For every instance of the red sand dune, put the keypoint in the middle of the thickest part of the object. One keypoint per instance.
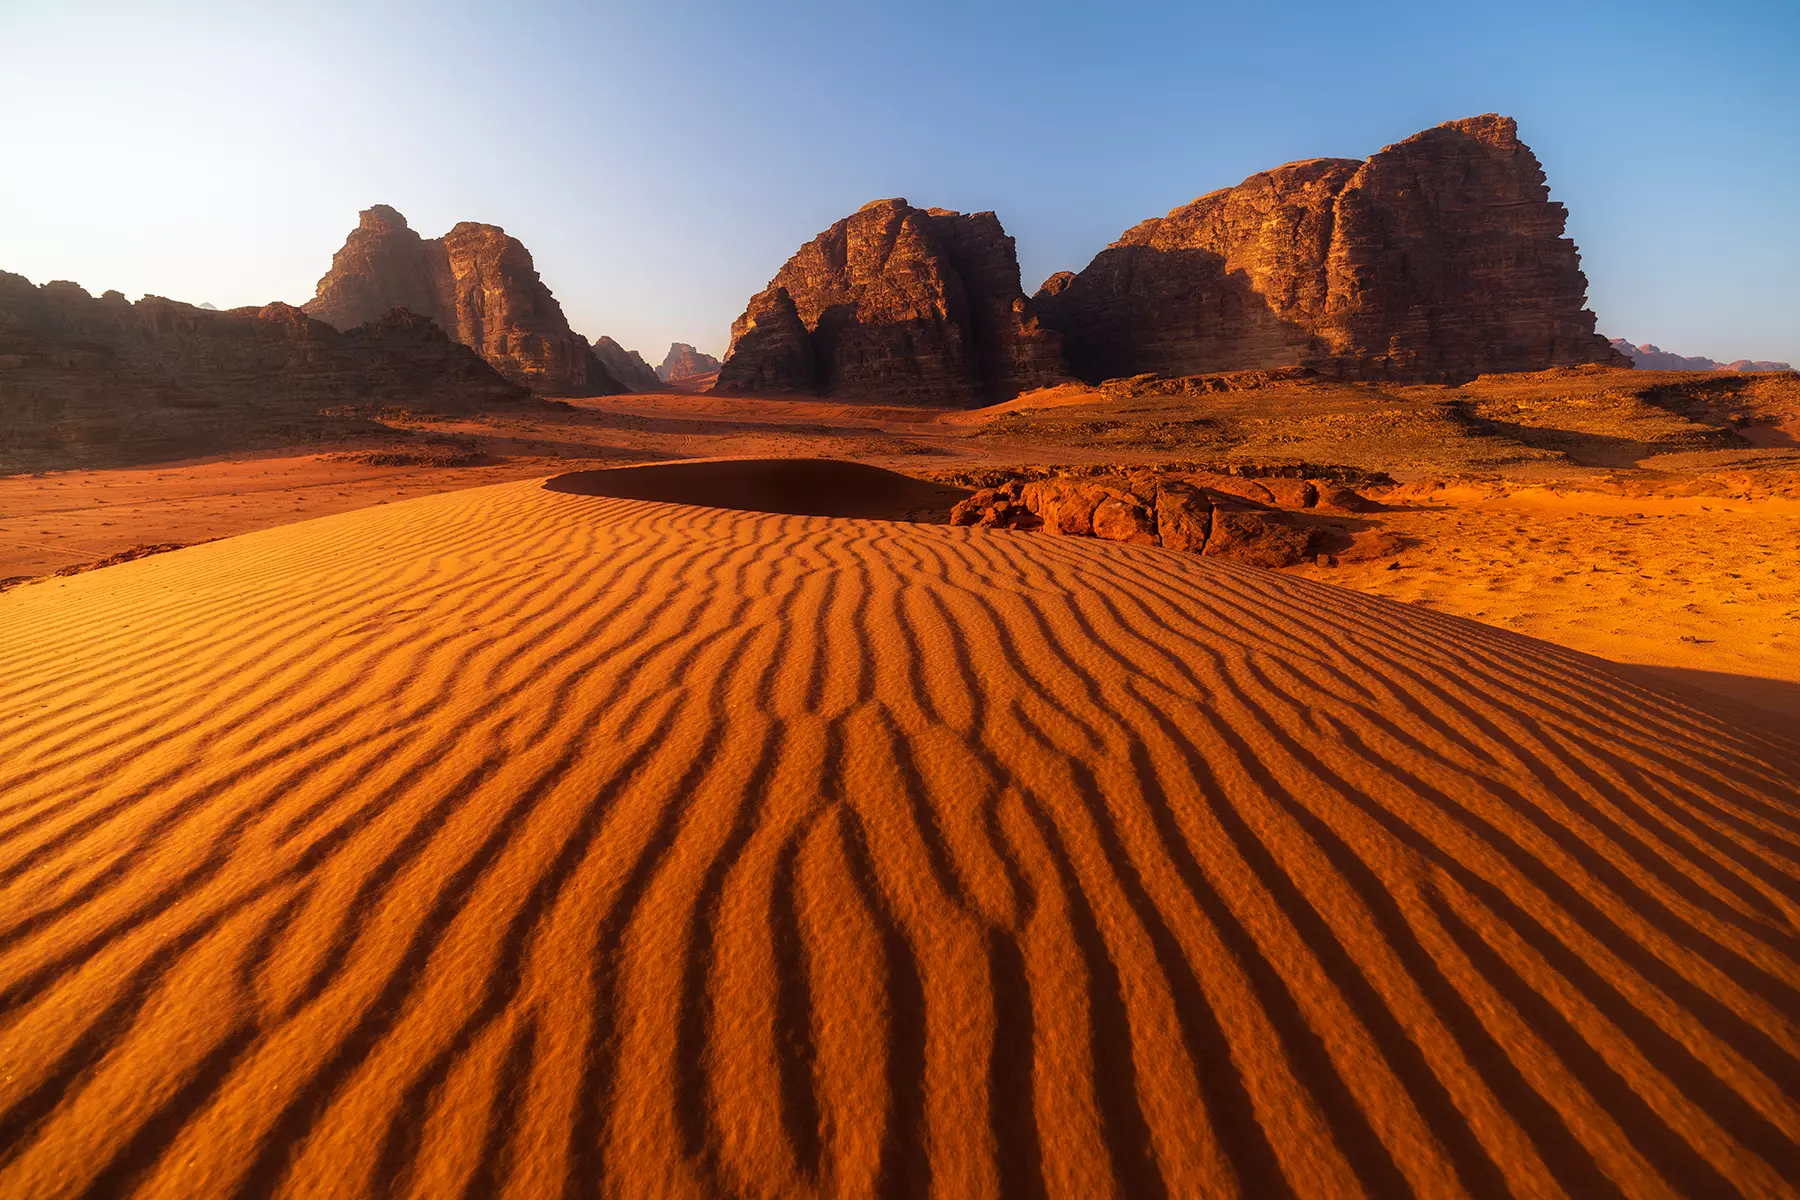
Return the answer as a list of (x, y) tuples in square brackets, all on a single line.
[(516, 841)]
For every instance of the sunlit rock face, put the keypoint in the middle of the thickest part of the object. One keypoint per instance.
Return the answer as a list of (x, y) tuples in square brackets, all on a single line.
[(1441, 257), (684, 362), (898, 304), (478, 284)]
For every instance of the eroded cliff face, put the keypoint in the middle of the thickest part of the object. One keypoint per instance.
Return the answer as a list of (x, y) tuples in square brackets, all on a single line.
[(88, 380), (478, 284), (1441, 257), (898, 304), (626, 366), (684, 362)]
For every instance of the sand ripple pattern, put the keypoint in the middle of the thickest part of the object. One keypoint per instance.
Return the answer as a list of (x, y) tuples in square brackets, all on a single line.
[(523, 844)]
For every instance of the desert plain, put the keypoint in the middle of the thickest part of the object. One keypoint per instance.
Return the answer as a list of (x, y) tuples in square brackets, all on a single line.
[(1288, 710)]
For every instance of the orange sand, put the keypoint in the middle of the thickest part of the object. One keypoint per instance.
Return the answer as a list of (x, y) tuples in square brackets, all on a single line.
[(516, 841)]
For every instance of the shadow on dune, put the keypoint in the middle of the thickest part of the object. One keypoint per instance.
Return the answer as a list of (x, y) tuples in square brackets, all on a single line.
[(801, 487), (1766, 698)]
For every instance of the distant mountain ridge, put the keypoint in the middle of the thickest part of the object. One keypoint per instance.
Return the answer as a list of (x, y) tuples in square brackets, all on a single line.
[(1654, 358)]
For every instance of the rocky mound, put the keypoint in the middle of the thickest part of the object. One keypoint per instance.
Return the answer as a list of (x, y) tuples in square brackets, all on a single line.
[(1654, 358), (899, 304), (94, 381), (626, 366), (683, 362), (1271, 522), (1441, 257), (478, 284)]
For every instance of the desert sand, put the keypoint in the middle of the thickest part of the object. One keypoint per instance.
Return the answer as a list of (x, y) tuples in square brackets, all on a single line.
[(529, 840)]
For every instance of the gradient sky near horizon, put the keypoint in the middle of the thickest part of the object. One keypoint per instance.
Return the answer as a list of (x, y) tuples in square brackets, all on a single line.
[(662, 160)]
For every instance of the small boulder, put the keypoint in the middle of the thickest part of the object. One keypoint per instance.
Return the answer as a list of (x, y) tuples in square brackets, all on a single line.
[(1183, 516), (1119, 520), (1259, 537)]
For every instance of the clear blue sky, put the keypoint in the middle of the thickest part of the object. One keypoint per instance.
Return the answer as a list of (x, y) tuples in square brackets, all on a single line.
[(662, 160)]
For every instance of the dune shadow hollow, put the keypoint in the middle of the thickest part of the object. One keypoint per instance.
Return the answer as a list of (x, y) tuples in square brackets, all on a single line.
[(802, 487)]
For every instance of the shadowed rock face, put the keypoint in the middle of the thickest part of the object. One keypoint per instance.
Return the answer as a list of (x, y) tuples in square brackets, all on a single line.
[(684, 362), (898, 304), (1441, 257), (475, 282), (626, 366), (86, 380)]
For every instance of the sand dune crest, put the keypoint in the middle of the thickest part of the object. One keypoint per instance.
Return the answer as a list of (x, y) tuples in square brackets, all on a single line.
[(531, 842)]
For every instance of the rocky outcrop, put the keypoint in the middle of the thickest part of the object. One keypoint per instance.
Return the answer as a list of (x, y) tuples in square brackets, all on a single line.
[(626, 366), (1654, 358), (475, 282), (896, 304), (1441, 257), (95, 381), (771, 348), (1264, 523), (683, 363)]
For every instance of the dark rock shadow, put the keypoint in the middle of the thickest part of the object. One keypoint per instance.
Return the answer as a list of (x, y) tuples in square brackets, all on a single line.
[(1137, 309), (802, 487)]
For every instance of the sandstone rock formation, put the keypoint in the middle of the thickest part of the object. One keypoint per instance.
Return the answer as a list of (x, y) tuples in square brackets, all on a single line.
[(771, 348), (626, 366), (1654, 358), (1441, 257), (95, 381), (683, 362), (1260, 522), (475, 282), (898, 304)]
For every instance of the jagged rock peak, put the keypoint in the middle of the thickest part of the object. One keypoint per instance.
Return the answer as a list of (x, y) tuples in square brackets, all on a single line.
[(476, 282), (684, 362), (898, 304), (626, 366), (1440, 257)]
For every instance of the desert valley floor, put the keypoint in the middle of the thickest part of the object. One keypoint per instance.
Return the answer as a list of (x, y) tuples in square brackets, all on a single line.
[(474, 820)]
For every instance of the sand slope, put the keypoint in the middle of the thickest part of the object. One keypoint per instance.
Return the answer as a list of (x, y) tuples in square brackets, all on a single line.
[(513, 841)]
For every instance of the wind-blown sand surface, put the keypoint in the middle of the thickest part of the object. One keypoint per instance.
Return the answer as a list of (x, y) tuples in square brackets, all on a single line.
[(521, 841)]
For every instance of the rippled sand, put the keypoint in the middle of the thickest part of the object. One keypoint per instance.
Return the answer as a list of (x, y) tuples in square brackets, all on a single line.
[(523, 841)]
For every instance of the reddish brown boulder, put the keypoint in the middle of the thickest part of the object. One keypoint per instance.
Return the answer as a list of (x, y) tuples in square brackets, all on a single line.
[(1257, 536), (1120, 520), (1183, 516), (996, 507), (475, 282), (901, 305), (1241, 519), (1441, 257)]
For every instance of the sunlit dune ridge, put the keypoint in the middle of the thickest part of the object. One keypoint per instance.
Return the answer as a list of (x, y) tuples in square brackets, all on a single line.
[(514, 841)]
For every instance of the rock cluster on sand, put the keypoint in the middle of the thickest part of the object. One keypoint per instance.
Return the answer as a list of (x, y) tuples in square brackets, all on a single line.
[(1441, 257), (1252, 521), (683, 362), (626, 366), (105, 380), (900, 304), (1654, 358), (478, 284)]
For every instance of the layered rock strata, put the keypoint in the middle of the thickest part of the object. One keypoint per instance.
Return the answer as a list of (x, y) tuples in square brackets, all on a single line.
[(1441, 257), (90, 380), (896, 304), (475, 282)]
